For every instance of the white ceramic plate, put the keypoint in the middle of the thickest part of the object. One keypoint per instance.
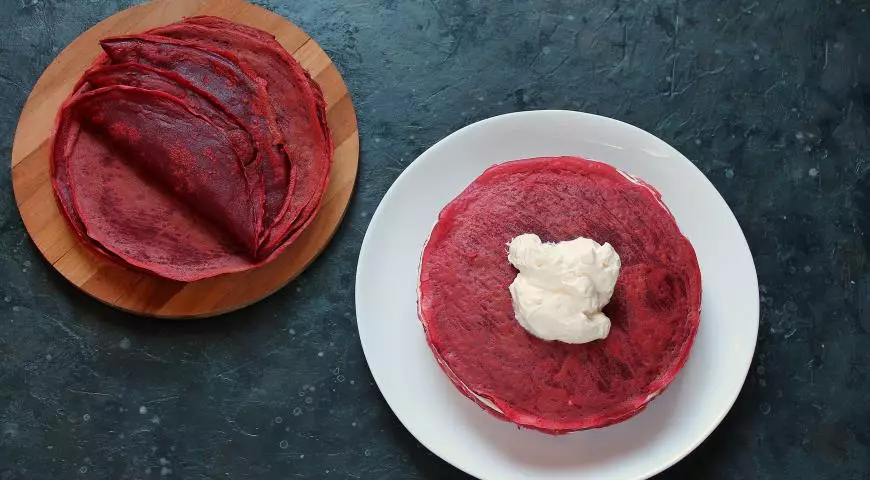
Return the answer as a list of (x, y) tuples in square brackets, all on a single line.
[(456, 429)]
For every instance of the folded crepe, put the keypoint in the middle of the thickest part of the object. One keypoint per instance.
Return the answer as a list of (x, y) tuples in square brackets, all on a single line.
[(193, 150)]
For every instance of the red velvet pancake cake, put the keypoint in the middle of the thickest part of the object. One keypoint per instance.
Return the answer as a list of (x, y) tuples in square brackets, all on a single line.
[(467, 311)]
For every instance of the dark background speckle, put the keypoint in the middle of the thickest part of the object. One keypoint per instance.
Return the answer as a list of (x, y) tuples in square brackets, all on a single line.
[(770, 99)]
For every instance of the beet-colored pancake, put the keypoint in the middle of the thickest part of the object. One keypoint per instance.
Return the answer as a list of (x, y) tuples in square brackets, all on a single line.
[(297, 101), (222, 23), (143, 76), (61, 146), (155, 183), (241, 139), (193, 150), (221, 74), (556, 387)]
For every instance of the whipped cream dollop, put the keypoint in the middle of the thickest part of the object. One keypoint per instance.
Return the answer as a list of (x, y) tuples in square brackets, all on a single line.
[(561, 287)]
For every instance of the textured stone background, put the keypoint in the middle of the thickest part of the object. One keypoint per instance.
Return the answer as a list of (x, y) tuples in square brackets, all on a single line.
[(770, 99)]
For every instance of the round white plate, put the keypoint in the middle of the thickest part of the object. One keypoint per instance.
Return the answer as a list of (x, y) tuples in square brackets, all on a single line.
[(456, 429)]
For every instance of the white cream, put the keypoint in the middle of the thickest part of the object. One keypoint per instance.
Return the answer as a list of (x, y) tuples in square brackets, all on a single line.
[(561, 287)]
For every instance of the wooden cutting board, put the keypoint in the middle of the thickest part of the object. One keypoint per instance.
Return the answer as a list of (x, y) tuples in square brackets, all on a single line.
[(139, 292)]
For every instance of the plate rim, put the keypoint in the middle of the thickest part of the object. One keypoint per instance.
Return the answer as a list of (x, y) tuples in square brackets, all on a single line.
[(366, 247)]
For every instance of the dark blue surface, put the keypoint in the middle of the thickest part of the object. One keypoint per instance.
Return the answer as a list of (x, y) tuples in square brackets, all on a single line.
[(770, 99)]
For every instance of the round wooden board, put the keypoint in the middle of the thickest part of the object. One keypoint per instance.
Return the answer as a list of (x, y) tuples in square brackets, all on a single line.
[(139, 292)]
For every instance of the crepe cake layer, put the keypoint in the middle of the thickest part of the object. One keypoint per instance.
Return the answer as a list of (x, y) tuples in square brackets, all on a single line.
[(555, 387), (267, 137)]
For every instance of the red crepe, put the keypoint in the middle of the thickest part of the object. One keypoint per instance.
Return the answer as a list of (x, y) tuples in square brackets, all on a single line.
[(467, 312), (241, 139), (230, 81), (214, 119), (296, 100), (60, 176), (142, 76), (148, 194)]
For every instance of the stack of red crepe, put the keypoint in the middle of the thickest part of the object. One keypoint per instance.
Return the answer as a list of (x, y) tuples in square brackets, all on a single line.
[(192, 150)]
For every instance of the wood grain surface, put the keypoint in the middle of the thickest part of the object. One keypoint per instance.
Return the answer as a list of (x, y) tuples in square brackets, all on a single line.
[(139, 292)]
